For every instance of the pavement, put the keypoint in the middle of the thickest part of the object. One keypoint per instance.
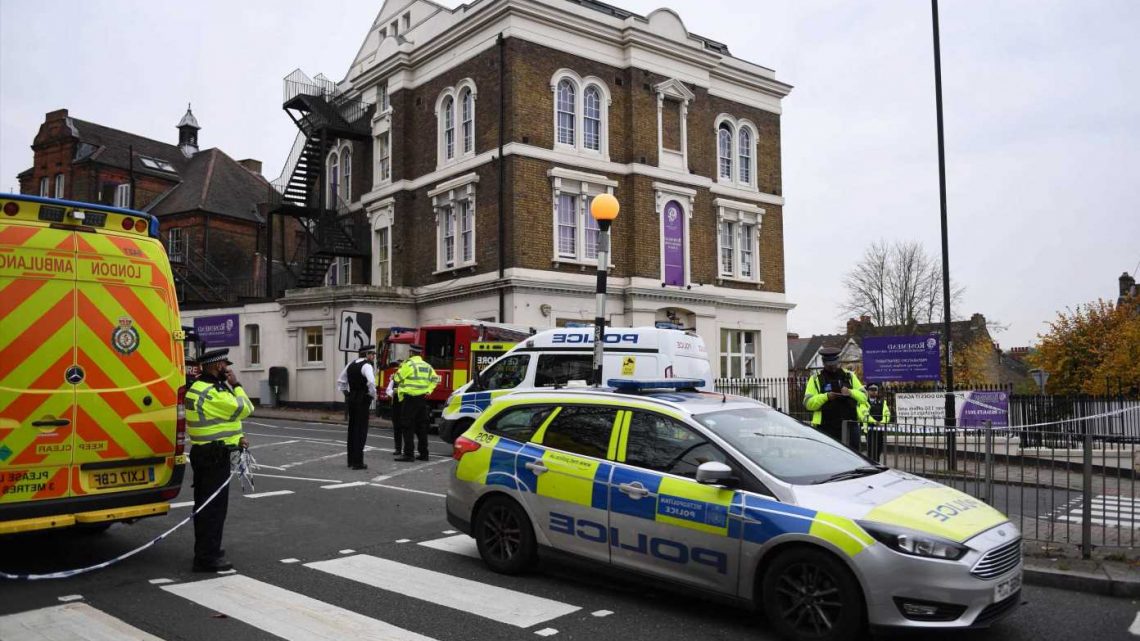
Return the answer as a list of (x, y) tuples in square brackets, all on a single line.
[(1117, 577), (326, 552)]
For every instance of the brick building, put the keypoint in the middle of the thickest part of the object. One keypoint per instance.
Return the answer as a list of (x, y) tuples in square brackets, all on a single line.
[(207, 203), (469, 144)]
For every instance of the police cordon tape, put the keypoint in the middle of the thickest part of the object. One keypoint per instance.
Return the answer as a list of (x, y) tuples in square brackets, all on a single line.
[(242, 465)]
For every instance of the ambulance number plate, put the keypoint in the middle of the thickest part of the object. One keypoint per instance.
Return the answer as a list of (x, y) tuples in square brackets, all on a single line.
[(126, 477), (1007, 587)]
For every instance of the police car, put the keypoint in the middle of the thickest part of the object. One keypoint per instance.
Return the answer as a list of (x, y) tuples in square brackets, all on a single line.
[(728, 495)]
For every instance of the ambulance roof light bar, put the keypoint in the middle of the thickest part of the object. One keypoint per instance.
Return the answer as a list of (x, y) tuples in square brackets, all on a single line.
[(645, 384)]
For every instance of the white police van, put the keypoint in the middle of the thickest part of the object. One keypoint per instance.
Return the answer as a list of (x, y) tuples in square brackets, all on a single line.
[(556, 357)]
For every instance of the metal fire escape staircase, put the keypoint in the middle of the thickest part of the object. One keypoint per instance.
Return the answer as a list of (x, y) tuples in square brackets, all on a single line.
[(328, 228)]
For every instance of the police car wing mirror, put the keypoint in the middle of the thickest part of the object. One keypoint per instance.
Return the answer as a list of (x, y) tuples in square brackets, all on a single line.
[(716, 473)]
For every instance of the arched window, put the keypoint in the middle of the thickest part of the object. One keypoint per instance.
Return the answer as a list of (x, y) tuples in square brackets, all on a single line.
[(566, 109), (467, 101), (346, 172), (724, 151), (592, 118), (449, 128), (745, 153), (334, 180)]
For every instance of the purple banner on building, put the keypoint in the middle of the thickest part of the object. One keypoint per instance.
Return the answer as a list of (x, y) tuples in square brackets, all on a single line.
[(218, 331), (674, 241), (901, 358), (977, 407)]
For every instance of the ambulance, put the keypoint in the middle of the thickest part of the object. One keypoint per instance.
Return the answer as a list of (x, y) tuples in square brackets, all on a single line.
[(92, 429), (562, 356)]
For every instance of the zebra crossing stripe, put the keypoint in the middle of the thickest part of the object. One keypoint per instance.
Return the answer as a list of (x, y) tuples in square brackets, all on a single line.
[(286, 614), (69, 621), (498, 604), (458, 544)]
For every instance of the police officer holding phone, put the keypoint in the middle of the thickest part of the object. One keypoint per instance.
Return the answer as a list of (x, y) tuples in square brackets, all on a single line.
[(833, 396), (215, 405)]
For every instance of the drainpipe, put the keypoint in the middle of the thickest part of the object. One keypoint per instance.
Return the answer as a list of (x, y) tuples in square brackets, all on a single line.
[(502, 178)]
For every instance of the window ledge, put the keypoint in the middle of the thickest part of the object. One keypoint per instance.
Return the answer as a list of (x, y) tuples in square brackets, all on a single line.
[(581, 151), (311, 366), (733, 279), (558, 260), (252, 368), (457, 268)]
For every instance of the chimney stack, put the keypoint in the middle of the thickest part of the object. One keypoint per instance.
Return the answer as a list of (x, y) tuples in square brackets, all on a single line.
[(1127, 282)]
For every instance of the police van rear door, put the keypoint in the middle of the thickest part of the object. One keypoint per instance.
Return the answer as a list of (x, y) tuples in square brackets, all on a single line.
[(37, 354), (127, 403)]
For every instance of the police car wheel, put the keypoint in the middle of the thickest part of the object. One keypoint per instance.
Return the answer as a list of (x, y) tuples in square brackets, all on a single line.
[(504, 536), (808, 595)]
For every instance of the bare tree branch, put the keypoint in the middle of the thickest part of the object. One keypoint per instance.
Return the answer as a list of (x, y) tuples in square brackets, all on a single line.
[(897, 284)]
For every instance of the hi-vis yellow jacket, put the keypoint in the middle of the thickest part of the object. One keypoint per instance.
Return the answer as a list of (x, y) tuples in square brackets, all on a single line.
[(415, 378), (214, 413)]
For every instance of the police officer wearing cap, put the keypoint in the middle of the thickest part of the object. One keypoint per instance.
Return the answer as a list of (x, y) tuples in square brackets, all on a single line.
[(358, 380), (215, 406), (415, 380), (874, 414), (833, 396)]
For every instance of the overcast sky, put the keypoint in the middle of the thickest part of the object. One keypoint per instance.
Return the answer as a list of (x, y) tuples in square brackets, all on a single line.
[(1042, 105)]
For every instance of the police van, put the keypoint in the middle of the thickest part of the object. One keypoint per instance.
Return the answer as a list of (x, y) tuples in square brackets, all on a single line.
[(557, 357), (727, 496), (91, 367)]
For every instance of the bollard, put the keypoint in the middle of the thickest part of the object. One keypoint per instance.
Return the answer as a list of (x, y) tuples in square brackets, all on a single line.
[(1086, 497)]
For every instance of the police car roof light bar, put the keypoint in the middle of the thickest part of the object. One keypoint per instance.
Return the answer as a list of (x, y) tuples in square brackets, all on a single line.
[(642, 384)]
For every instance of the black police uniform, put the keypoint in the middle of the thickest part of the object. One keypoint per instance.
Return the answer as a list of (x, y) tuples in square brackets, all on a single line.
[(358, 401)]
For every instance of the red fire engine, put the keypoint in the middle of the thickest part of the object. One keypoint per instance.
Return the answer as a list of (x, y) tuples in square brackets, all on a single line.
[(456, 350)]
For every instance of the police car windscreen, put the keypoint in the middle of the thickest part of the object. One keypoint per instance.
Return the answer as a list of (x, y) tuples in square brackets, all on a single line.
[(784, 447)]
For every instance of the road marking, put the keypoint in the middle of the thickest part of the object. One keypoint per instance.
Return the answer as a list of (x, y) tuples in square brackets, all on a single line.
[(602, 613), (314, 460), (1134, 629), (71, 597), (449, 531), (458, 544), (181, 504), (348, 552), (546, 632), (297, 478), (403, 540), (161, 581), (261, 495), (408, 489), (261, 445), (417, 468), (289, 615), (340, 485), (290, 560), (498, 604), (304, 439), (71, 621)]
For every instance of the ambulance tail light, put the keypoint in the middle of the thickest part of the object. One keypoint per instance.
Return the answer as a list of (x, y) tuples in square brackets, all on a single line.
[(463, 445), (180, 429)]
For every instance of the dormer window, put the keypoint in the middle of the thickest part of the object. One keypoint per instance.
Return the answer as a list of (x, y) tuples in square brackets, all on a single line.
[(581, 114)]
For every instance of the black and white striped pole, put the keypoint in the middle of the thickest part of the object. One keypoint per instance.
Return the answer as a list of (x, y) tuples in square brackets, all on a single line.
[(604, 208)]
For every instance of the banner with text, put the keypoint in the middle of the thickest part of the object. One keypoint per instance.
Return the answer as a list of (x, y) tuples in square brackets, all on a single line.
[(971, 408), (218, 331), (901, 358)]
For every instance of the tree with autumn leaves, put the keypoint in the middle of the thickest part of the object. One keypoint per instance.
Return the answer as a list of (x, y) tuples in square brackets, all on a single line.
[(1094, 349)]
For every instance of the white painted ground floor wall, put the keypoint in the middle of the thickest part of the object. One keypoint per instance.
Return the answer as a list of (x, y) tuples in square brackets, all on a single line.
[(533, 298)]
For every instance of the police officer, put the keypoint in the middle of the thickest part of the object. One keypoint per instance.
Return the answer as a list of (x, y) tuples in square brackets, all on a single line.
[(415, 380), (833, 396), (359, 381), (874, 414), (215, 406)]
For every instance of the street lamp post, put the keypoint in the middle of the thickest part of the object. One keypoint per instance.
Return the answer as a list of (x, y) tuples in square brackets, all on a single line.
[(604, 209), (951, 415)]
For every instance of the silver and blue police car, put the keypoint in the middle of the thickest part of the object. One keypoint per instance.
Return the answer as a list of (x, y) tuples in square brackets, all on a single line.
[(728, 495)]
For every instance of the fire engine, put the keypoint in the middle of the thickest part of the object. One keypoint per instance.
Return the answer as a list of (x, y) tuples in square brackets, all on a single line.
[(457, 350)]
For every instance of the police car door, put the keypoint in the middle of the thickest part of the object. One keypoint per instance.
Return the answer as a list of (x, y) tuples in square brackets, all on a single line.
[(565, 474), (662, 521)]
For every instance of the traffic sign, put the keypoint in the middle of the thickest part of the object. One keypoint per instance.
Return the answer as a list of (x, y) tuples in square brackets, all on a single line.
[(355, 329)]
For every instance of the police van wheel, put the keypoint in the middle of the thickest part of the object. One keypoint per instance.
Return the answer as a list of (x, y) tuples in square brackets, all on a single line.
[(809, 595), (504, 536)]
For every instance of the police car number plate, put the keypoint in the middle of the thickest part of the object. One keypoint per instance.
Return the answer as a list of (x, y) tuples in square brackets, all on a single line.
[(126, 477), (1006, 588)]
